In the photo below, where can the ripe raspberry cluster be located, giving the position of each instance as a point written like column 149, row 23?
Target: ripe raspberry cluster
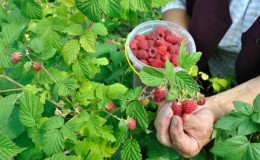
column 154, row 48
column 179, row 106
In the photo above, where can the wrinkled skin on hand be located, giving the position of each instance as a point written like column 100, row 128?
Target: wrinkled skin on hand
column 187, row 134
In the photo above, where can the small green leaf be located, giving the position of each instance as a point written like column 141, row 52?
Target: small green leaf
column 82, row 147
column 169, row 70
column 8, row 149
column 233, row 147
column 30, row 9
column 74, row 30
column 31, row 109
column 229, row 122
column 151, row 76
column 90, row 8
column 65, row 87
column 87, row 41
column 100, row 29
column 256, row 103
column 120, row 137
column 70, row 51
column 131, row 150
column 62, row 156
column 107, row 133
column 243, row 107
column 185, row 81
column 136, row 110
column 141, row 5
column 112, row 8
column 54, row 122
column 114, row 91
column 256, row 117
column 53, row 142
column 247, row 126
column 68, row 131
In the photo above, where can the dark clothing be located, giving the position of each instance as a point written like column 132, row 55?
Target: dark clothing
column 210, row 20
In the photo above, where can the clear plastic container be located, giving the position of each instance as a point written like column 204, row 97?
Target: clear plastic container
column 148, row 27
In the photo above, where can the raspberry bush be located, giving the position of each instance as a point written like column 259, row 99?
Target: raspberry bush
column 66, row 89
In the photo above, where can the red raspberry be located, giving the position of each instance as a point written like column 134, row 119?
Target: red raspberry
column 110, row 106
column 36, row 67
column 189, row 106
column 174, row 59
column 142, row 45
column 144, row 61
column 142, row 54
column 133, row 44
column 172, row 39
column 160, row 42
column 168, row 32
column 160, row 35
column 202, row 100
column 140, row 37
column 159, row 93
column 157, row 63
column 160, row 29
column 151, row 36
column 150, row 43
column 131, row 123
column 177, row 108
column 15, row 57
column 152, row 51
column 162, row 50
column 174, row 49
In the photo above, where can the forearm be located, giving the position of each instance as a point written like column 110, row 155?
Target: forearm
column 222, row 103
column 178, row 16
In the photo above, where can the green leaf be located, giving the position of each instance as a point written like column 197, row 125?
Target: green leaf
column 32, row 89
column 70, row 51
column 30, row 8
column 114, row 91
column 41, row 52
column 68, row 132
column 156, row 151
column 112, row 8
column 100, row 29
column 92, row 126
column 235, row 147
column 53, row 142
column 74, row 30
column 151, row 76
column 54, row 122
column 256, row 103
column 141, row 5
column 131, row 150
column 229, row 122
column 247, row 127
column 31, row 109
column 159, row 3
column 12, row 31
column 61, row 156
column 6, row 108
column 107, row 133
column 256, row 117
column 82, row 147
column 169, row 70
column 87, row 41
column 190, row 60
column 136, row 110
column 243, row 107
column 65, row 87
column 90, row 8
column 8, row 149
column 120, row 137
column 185, row 81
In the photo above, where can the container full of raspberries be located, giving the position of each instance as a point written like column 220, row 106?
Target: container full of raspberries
column 152, row 42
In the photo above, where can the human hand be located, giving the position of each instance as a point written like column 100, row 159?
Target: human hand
column 187, row 134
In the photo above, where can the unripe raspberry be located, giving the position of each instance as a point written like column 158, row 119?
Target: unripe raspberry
column 36, row 67
column 144, row 100
column 202, row 100
column 110, row 106
column 16, row 57
column 131, row 124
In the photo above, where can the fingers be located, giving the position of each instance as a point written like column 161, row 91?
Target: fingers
column 162, row 124
column 184, row 143
column 163, row 104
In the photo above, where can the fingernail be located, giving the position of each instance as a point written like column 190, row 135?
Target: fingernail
column 174, row 122
column 166, row 112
